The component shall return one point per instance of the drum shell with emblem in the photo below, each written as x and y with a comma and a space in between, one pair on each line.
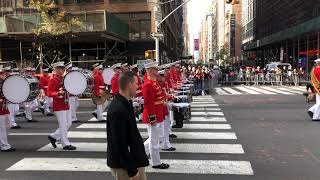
181, 112
18, 88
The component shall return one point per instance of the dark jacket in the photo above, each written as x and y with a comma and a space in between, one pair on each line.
125, 146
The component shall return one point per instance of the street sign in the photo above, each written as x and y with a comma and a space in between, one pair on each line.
156, 34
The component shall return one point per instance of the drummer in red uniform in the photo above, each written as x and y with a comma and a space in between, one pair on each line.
4, 122
153, 114
99, 86
30, 106
165, 126
114, 81
43, 84
60, 108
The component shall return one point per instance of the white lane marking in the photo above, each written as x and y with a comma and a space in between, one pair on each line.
221, 92
245, 89
261, 90
180, 148
290, 90
210, 119
99, 165
89, 112
275, 90
232, 91
199, 97
29, 134
302, 89
207, 114
181, 135
144, 126
205, 109
204, 105
207, 102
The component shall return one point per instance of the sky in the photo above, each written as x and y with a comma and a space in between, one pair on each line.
197, 10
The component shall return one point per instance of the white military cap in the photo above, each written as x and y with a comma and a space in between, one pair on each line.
100, 66
317, 60
69, 66
161, 72
75, 68
163, 66
125, 64
58, 64
95, 65
33, 69
15, 69
134, 66
46, 70
8, 68
27, 68
151, 65
117, 65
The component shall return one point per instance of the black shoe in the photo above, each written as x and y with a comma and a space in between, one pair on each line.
94, 114
77, 121
42, 110
50, 114
161, 166
310, 114
69, 148
315, 119
15, 127
170, 149
9, 150
31, 120
173, 136
52, 141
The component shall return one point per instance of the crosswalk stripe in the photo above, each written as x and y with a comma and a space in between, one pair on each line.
275, 90
99, 165
247, 90
211, 119
290, 90
181, 135
207, 114
232, 91
203, 102
221, 92
298, 89
261, 90
202, 97
180, 148
144, 126
204, 105
205, 109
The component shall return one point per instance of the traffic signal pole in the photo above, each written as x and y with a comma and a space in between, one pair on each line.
157, 37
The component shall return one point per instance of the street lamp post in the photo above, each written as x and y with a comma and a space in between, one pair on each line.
158, 25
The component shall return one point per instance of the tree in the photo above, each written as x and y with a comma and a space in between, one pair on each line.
53, 25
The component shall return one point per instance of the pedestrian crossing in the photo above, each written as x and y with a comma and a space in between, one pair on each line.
260, 90
207, 132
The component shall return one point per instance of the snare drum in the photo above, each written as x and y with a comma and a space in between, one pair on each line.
76, 82
19, 88
182, 99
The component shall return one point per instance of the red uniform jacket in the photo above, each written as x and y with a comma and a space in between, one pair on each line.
114, 84
43, 83
153, 100
98, 83
59, 101
139, 90
3, 108
165, 96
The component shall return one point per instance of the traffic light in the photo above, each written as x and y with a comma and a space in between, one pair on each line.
150, 54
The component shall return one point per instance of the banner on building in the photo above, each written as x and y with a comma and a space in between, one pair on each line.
196, 44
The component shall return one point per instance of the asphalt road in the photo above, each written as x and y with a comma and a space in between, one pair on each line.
276, 136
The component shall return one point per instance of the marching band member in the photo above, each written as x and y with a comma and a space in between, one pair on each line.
99, 89
4, 122
60, 108
124, 67
30, 106
43, 84
114, 81
153, 114
314, 111
73, 100
165, 126
13, 108
135, 70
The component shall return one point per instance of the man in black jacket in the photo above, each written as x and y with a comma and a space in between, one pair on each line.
125, 152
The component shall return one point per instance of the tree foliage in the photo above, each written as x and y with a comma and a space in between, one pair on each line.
53, 23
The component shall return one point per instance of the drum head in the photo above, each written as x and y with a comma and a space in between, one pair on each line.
107, 75
75, 82
16, 89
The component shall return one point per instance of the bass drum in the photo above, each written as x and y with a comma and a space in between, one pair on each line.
19, 88
107, 75
76, 82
